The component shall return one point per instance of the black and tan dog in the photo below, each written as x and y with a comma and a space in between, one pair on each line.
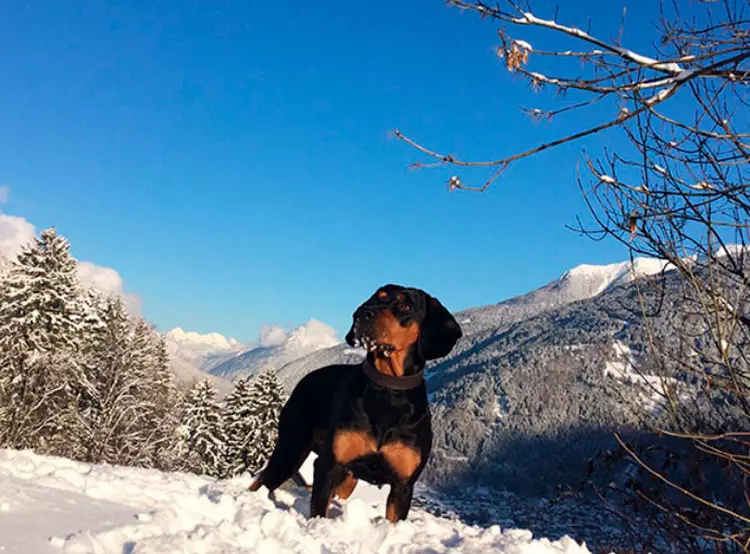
369, 421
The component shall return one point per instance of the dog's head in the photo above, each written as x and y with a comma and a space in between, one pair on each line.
397, 320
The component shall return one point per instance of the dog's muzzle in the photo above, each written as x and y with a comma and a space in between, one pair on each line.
364, 320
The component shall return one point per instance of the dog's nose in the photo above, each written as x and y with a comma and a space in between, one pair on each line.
368, 314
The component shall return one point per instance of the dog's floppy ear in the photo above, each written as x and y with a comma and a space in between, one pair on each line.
439, 331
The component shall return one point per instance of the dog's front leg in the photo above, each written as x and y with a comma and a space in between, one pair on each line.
399, 501
327, 476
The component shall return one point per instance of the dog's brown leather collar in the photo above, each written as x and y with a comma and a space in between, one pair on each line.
407, 382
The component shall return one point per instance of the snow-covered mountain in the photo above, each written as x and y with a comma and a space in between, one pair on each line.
192, 354
202, 351
581, 282
292, 372
315, 344
587, 281
186, 375
285, 348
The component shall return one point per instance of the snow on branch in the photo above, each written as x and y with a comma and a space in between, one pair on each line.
635, 84
528, 18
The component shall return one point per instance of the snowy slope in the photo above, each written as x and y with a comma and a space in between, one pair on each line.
50, 505
581, 282
587, 281
291, 373
310, 337
187, 375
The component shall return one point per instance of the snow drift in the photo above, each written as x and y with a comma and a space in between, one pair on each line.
52, 505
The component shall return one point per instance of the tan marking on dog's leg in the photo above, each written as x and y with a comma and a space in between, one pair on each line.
256, 484
404, 459
345, 489
392, 507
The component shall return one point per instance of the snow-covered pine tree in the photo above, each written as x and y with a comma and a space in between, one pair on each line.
146, 390
137, 395
40, 337
268, 397
164, 400
110, 414
203, 431
240, 415
79, 377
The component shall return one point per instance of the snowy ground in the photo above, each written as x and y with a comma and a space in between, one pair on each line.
50, 505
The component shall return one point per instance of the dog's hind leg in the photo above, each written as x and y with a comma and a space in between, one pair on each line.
283, 465
293, 446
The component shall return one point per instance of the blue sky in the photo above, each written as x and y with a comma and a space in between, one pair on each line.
232, 160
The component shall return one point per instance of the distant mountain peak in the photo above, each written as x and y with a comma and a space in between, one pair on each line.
312, 333
285, 347
579, 283
592, 280
192, 354
639, 266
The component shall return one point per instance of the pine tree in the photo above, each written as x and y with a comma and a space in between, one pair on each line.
268, 398
164, 400
130, 418
240, 416
40, 336
203, 431
41, 307
79, 377
146, 391
110, 413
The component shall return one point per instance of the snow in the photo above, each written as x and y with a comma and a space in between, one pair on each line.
192, 354
528, 18
500, 408
313, 335
662, 95
52, 505
623, 367
732, 249
653, 386
597, 278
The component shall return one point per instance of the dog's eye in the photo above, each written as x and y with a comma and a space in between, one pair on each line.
404, 307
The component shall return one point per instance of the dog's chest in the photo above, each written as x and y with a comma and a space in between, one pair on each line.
393, 461
383, 438
373, 469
